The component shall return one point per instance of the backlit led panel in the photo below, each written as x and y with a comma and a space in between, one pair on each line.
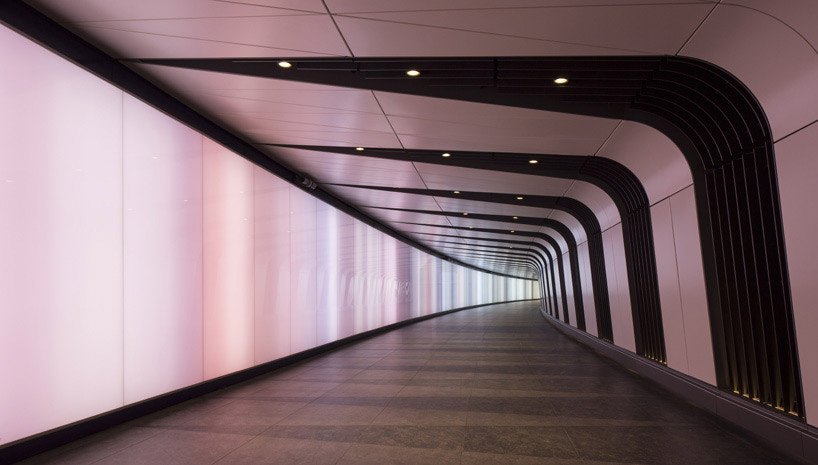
60, 241
139, 257
228, 219
162, 177
304, 270
346, 275
271, 249
328, 279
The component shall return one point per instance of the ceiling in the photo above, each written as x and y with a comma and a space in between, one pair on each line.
271, 112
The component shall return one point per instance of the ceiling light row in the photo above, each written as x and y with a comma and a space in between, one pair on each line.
415, 73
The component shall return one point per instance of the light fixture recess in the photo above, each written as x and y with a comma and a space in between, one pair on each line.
413, 73
359, 149
285, 64
446, 155
533, 162
561, 80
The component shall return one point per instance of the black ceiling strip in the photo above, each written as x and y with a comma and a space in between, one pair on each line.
724, 135
551, 241
568, 237
572, 255
546, 263
36, 26
575, 208
617, 181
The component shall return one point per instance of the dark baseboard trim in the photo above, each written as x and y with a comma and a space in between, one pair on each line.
33, 445
791, 437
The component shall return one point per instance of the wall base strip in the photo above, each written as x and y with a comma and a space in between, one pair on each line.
788, 436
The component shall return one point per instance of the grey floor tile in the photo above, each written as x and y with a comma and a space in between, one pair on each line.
484, 386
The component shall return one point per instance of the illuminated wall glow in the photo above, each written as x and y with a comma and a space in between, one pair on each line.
60, 241
162, 186
139, 257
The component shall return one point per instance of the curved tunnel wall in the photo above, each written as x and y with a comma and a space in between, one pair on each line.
140, 257
680, 276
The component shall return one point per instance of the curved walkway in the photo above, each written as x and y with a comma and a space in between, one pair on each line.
494, 384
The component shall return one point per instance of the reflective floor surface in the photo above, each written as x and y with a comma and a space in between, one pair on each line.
495, 384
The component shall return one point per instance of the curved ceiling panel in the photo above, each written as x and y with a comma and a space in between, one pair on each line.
738, 39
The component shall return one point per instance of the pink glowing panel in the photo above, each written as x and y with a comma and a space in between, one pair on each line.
228, 261
403, 275
359, 277
390, 280
447, 286
346, 275
272, 266
60, 241
329, 276
373, 279
304, 270
163, 252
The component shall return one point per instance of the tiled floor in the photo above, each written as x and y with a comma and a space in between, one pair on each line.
489, 385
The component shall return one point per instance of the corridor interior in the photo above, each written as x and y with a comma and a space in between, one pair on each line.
493, 384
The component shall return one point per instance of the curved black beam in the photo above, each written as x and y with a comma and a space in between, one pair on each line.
616, 180
715, 120
548, 291
575, 208
541, 261
575, 279
513, 252
568, 237
572, 255
560, 276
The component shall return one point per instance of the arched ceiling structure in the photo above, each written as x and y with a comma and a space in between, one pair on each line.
660, 96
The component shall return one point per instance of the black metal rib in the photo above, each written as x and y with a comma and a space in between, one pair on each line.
573, 256
558, 274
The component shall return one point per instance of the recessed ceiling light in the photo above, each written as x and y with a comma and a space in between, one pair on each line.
465, 213
533, 162
456, 192
519, 197
285, 64
512, 230
413, 73
470, 227
446, 155
516, 218
360, 149
561, 80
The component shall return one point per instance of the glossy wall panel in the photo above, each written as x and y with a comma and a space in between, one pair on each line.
60, 242
162, 188
272, 267
139, 257
228, 261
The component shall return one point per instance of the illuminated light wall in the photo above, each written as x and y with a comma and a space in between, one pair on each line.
139, 257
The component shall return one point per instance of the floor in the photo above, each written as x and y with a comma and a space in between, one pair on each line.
495, 384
